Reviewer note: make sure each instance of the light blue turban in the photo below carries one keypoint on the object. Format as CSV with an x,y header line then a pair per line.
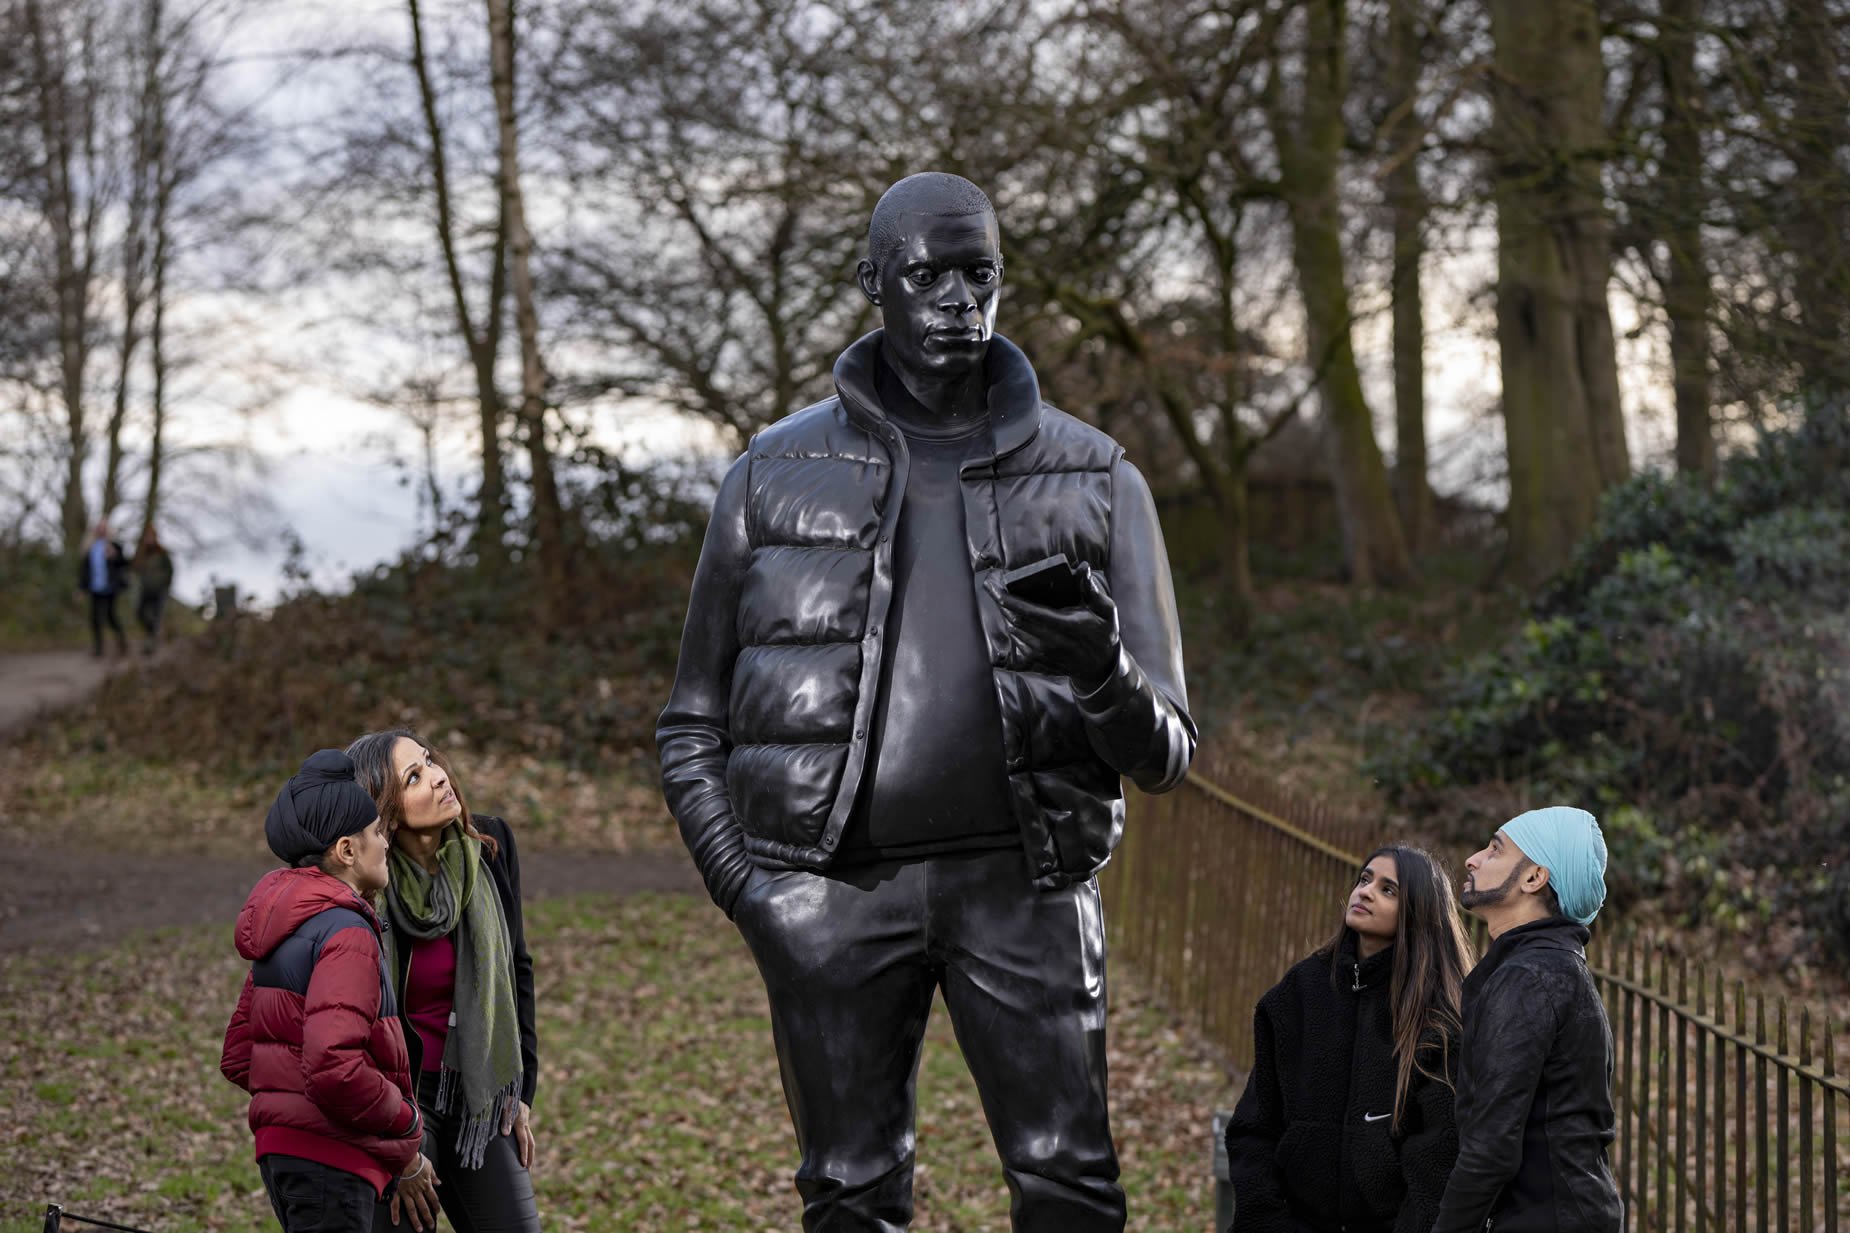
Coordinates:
x,y
1567,843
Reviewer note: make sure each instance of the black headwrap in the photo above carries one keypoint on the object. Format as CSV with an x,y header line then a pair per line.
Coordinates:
x,y
320,803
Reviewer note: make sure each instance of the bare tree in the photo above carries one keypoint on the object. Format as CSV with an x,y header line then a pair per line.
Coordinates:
x,y
67,81
143,60
1402,134
1308,136
548,514
722,138
481,336
1687,296
1818,190
1564,431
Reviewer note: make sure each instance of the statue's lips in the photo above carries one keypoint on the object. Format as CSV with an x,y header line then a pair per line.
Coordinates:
x,y
954,338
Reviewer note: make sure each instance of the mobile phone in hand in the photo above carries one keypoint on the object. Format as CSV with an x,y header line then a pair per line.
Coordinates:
x,y
1053,582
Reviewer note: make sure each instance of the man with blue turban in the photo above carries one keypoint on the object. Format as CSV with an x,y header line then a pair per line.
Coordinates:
x,y
1534,1103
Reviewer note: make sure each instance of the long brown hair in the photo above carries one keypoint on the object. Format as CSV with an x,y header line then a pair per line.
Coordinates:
x,y
372,761
1431,957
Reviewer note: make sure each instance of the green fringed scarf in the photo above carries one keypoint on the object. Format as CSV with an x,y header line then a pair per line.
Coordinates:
x,y
481,1056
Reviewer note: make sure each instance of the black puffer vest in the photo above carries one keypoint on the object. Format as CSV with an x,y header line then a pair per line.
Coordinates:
x,y
824,495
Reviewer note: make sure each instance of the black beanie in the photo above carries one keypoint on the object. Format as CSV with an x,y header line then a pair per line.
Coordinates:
x,y
320,803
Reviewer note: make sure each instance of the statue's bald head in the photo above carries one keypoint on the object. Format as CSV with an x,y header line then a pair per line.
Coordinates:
x,y
929,192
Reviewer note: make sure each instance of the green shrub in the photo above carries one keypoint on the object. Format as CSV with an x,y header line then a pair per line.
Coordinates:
x,y
462,652
1688,678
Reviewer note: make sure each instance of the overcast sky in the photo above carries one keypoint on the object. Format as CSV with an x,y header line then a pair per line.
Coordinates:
x,y
323,452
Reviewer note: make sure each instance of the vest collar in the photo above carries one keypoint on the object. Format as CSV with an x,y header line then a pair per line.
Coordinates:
x,y
1014,391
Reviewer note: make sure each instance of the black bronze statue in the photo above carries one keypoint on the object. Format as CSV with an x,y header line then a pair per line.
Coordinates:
x,y
931,627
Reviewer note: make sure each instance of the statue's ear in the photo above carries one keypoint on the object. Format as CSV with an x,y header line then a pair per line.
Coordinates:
x,y
869,280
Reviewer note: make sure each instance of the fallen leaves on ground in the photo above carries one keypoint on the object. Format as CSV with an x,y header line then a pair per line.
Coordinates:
x,y
659,1104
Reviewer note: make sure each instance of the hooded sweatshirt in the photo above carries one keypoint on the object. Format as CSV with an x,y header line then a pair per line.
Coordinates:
x,y
316,1039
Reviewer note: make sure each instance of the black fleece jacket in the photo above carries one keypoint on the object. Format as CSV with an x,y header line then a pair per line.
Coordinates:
x,y
1312,1144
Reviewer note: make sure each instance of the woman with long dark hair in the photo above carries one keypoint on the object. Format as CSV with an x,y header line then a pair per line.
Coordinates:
x,y
1346,1121
457,955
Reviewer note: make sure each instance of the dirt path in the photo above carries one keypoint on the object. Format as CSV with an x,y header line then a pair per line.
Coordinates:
x,y
33,682
56,897
52,896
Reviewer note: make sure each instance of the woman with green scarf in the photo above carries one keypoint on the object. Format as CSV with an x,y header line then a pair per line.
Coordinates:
x,y
458,957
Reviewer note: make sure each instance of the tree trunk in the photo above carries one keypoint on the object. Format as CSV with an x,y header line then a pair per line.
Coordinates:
x,y
134,246
1566,439
1818,203
1309,150
1407,202
484,347
548,513
164,186
58,110
1234,501
1684,200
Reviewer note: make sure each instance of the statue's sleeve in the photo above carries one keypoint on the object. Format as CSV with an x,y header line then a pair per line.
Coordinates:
x,y
1138,719
694,735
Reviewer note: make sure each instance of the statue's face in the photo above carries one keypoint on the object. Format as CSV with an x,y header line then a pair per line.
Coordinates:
x,y
937,292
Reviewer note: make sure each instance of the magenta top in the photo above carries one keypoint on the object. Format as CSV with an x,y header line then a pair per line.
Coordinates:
x,y
430,990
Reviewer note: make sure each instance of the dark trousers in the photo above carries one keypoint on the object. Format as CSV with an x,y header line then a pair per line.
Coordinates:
x,y
850,962
496,1198
310,1197
103,608
148,609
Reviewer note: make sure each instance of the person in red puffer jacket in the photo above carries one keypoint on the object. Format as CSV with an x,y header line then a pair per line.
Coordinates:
x,y
316,1039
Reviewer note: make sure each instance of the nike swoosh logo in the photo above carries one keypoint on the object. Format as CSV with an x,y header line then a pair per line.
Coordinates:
x,y
1375,1117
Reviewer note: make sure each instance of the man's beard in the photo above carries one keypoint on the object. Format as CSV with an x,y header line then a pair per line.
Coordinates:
x,y
1475,898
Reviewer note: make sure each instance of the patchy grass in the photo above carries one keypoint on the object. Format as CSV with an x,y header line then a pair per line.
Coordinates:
x,y
141,804
659,1103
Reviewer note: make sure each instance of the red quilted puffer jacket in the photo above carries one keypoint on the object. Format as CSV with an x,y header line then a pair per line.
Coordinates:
x,y
316,1038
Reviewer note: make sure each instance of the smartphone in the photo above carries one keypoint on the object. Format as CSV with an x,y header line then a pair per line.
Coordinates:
x,y
1053,582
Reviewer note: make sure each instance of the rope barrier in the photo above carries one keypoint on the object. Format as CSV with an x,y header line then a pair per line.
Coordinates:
x,y
55,1216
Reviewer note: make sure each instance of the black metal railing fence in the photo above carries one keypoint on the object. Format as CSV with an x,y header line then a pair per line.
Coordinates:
x,y
1729,1122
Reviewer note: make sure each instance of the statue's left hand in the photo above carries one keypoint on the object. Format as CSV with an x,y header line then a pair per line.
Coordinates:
x,y
1081,641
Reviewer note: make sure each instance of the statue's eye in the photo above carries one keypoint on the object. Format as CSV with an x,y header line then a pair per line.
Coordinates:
x,y
922,277
983,274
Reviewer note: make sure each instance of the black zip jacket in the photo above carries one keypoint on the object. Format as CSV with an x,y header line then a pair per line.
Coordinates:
x,y
504,868
1312,1145
764,741
1534,1092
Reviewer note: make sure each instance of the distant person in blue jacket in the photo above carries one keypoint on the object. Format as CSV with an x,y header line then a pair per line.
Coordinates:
x,y
102,574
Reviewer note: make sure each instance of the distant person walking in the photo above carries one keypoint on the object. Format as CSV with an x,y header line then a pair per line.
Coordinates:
x,y
102,572
1535,1070
316,1039
1346,1122
457,955
154,577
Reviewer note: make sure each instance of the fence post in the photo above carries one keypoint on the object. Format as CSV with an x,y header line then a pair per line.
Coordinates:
x,y
1223,1173
54,1217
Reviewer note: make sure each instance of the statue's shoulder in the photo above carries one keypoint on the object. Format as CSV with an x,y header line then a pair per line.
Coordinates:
x,y
806,432
1076,443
